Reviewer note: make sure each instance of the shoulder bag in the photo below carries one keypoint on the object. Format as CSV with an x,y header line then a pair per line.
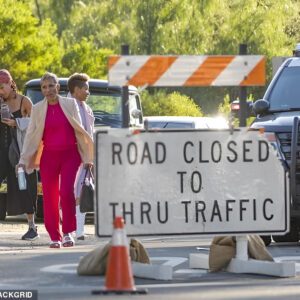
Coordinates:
x,y
87,192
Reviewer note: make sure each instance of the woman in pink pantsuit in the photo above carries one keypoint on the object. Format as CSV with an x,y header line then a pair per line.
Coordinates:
x,y
55,127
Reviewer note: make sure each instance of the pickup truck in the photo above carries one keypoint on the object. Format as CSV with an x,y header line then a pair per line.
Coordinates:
x,y
106,103
279,113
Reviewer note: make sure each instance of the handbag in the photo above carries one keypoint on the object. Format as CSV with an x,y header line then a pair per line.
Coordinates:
x,y
87,193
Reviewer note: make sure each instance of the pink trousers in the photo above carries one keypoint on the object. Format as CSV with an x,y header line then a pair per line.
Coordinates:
x,y
58,170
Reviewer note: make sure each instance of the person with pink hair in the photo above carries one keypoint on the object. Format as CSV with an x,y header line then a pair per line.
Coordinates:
x,y
12,132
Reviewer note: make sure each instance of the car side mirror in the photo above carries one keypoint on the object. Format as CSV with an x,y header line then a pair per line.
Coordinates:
x,y
136,113
261,106
137,116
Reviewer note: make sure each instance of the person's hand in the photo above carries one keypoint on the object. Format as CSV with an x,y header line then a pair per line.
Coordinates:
x,y
88,166
19,166
9,122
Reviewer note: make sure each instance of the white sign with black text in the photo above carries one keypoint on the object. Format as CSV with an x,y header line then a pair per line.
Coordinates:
x,y
189,182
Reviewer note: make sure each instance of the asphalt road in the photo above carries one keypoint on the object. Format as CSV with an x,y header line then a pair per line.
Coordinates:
x,y
52,272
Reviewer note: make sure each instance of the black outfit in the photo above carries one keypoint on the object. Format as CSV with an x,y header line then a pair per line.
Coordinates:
x,y
18,202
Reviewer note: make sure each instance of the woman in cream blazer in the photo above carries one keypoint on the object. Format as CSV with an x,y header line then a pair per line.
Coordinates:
x,y
33,143
57,144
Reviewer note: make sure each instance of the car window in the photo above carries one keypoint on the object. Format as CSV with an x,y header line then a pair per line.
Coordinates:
x,y
286,90
35,95
107,108
106,103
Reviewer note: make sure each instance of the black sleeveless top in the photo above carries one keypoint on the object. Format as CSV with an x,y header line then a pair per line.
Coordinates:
x,y
5,130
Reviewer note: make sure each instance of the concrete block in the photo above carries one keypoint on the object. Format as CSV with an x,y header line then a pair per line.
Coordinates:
x,y
198,261
158,272
253,266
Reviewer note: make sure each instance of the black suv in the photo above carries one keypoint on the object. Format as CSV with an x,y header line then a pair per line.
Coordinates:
x,y
279,112
106,103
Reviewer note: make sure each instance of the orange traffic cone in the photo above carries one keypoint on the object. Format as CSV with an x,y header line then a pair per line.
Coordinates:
x,y
119,277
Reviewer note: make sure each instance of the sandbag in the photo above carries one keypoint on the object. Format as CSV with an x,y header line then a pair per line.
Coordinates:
x,y
94,263
223,249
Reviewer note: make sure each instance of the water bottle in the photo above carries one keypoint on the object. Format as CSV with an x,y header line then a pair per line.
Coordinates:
x,y
5,113
21,179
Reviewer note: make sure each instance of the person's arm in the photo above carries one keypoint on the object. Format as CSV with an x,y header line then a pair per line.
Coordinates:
x,y
76,113
93,124
26,107
90,112
25,111
77,117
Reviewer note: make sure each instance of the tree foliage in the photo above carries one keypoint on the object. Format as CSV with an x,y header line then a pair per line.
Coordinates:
x,y
26,49
78,35
174,104
84,57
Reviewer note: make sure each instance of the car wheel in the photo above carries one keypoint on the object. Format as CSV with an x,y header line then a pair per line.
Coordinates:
x,y
267,239
2,207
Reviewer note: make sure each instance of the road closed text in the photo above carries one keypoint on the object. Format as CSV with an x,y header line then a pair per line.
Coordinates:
x,y
200,152
198,211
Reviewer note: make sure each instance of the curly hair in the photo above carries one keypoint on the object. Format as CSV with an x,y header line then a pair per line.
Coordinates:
x,y
77,79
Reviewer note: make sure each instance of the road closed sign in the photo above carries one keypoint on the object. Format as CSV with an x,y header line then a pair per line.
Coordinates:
x,y
189,182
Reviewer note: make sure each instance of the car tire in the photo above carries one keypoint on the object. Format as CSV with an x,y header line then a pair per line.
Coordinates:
x,y
2,206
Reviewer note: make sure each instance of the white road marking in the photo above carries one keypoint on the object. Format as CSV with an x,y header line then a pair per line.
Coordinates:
x,y
71,268
62,269
169,261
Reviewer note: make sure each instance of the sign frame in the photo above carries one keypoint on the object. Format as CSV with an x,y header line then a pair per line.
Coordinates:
x,y
277,231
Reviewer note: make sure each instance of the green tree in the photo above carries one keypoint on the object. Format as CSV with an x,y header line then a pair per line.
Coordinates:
x,y
152,18
84,57
26,49
107,23
174,104
190,27
58,11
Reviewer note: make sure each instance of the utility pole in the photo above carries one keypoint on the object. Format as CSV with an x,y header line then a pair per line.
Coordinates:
x,y
125,94
243,94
